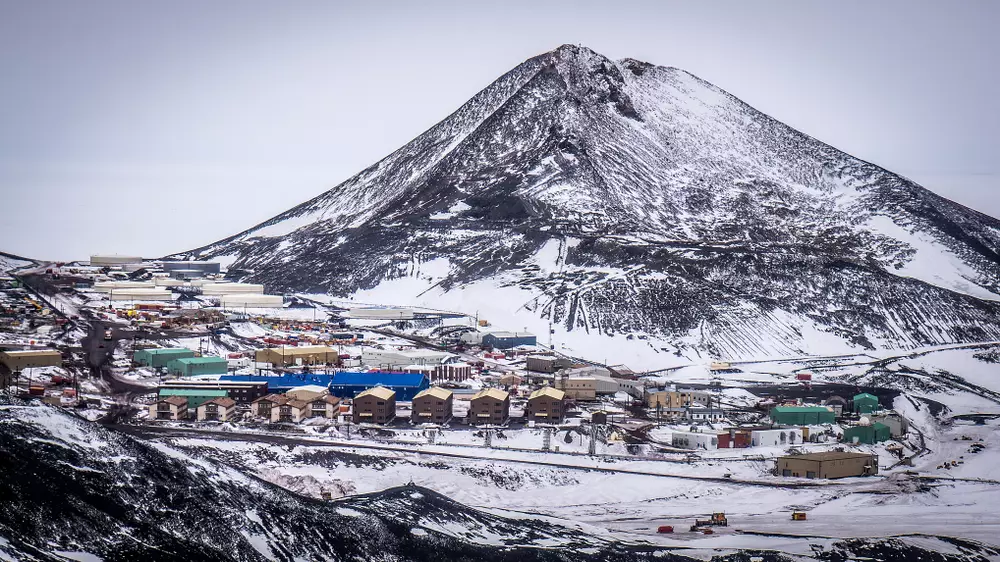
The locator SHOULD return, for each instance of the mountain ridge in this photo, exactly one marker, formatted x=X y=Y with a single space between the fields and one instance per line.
x=647 y=173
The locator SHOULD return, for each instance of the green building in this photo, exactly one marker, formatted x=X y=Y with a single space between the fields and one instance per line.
x=198 y=366
x=157 y=358
x=801 y=415
x=874 y=433
x=195 y=396
x=865 y=403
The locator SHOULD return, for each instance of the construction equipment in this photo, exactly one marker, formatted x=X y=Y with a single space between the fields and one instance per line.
x=798 y=516
x=717 y=520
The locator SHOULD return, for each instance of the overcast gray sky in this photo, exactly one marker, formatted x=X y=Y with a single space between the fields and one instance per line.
x=153 y=127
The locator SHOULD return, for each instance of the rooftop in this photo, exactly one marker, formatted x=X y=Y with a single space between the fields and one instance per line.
x=801 y=409
x=224 y=402
x=549 y=392
x=436 y=392
x=495 y=393
x=198 y=360
x=378 y=392
x=192 y=392
x=31 y=352
x=827 y=456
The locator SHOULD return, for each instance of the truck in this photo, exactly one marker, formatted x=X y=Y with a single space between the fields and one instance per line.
x=717 y=520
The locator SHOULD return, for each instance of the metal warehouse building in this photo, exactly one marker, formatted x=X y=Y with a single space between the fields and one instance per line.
x=195 y=397
x=244 y=392
x=868 y=434
x=865 y=403
x=20 y=360
x=198 y=366
x=830 y=464
x=157 y=358
x=405 y=385
x=302 y=355
x=802 y=415
x=345 y=384
x=507 y=340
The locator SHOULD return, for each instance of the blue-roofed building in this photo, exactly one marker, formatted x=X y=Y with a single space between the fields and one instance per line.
x=345 y=384
x=508 y=340
x=406 y=385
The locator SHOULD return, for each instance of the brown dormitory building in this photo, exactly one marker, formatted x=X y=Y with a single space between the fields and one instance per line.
x=433 y=405
x=375 y=405
x=489 y=407
x=546 y=404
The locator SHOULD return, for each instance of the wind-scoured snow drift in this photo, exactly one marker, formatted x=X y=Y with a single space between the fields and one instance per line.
x=619 y=198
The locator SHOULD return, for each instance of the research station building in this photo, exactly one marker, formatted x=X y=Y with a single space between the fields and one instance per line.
x=831 y=464
x=433 y=405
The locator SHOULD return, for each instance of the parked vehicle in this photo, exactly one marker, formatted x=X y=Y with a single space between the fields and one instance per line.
x=663 y=529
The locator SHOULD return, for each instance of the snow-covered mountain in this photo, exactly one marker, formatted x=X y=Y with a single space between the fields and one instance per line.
x=640 y=206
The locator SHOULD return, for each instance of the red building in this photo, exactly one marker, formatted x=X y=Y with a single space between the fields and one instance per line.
x=734 y=439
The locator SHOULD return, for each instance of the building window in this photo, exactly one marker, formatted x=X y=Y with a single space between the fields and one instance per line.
x=810 y=474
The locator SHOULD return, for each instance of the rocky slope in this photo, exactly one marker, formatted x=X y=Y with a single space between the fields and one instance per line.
x=72 y=487
x=619 y=198
x=72 y=490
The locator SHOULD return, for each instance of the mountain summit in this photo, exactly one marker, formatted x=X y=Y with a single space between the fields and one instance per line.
x=618 y=201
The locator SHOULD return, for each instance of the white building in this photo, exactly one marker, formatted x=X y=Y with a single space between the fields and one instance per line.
x=775 y=437
x=109 y=286
x=158 y=294
x=397 y=359
x=231 y=288
x=694 y=440
x=382 y=313
x=251 y=300
x=113 y=260
x=710 y=415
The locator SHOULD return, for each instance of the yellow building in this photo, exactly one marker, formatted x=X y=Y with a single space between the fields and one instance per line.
x=302 y=355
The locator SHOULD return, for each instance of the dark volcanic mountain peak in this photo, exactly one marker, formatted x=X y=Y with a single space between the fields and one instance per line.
x=623 y=198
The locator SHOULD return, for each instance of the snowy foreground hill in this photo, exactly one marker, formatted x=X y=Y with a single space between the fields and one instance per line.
x=640 y=208
x=88 y=493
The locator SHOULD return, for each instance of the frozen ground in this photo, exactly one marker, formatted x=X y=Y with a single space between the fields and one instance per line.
x=630 y=504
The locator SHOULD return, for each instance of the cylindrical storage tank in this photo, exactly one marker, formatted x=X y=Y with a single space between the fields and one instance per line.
x=168 y=282
x=251 y=300
x=231 y=288
x=102 y=261
x=109 y=286
x=141 y=295
x=188 y=266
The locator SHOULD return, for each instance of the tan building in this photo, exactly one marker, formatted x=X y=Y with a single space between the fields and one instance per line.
x=307 y=393
x=217 y=409
x=326 y=406
x=433 y=405
x=676 y=399
x=21 y=360
x=375 y=405
x=831 y=464
x=546 y=404
x=292 y=411
x=302 y=355
x=263 y=406
x=169 y=408
x=583 y=389
x=490 y=406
